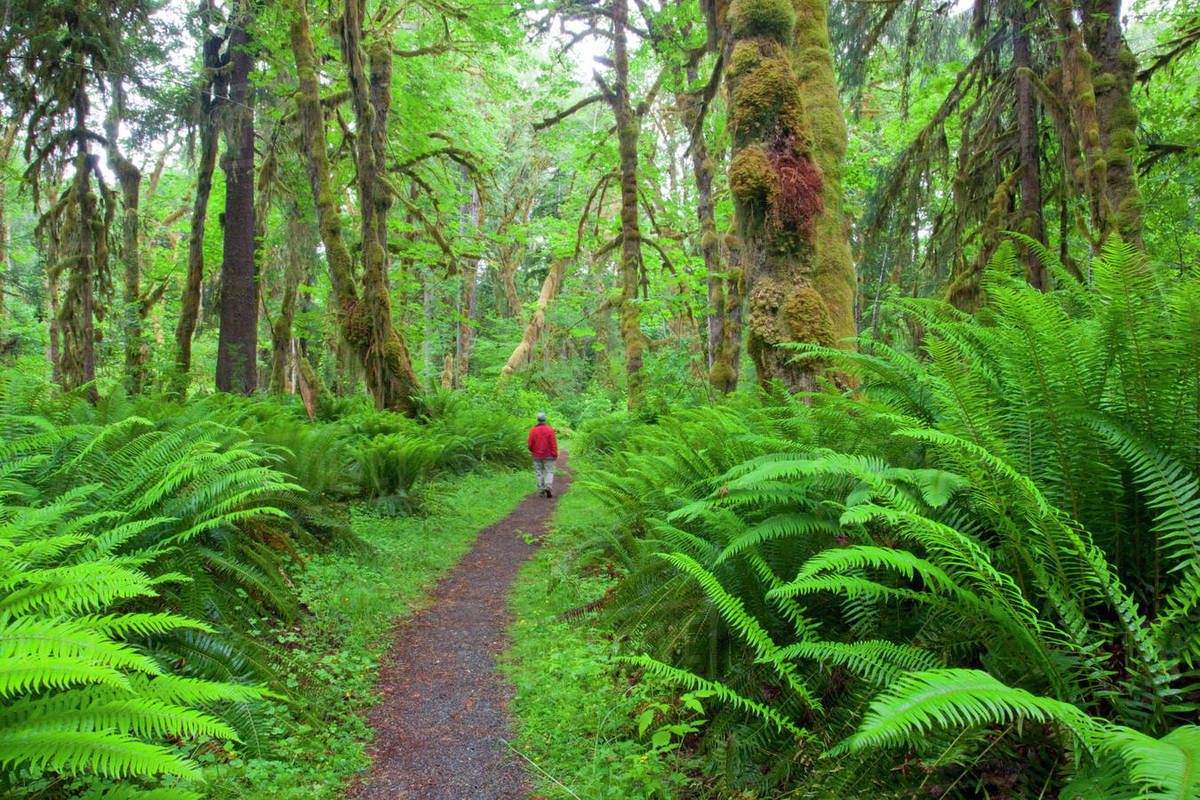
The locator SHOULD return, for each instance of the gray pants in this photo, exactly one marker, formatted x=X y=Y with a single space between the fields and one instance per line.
x=543 y=468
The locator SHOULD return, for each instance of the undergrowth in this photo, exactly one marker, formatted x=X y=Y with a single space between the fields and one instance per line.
x=333 y=652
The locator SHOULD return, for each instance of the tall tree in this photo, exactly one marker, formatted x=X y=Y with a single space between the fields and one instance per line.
x=797 y=279
x=470 y=217
x=8 y=137
x=628 y=121
x=365 y=323
x=237 y=345
x=129 y=180
x=214 y=86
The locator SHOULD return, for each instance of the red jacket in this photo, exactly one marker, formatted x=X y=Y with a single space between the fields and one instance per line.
x=542 y=443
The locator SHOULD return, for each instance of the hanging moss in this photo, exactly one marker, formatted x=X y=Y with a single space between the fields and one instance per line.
x=769 y=19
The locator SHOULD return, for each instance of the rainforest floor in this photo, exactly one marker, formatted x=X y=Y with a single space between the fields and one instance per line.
x=441 y=722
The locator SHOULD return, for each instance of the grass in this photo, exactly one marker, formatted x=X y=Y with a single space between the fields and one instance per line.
x=587 y=730
x=351 y=600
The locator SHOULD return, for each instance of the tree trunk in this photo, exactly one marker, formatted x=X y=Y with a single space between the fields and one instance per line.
x=189 y=311
x=522 y=355
x=710 y=248
x=76 y=313
x=1032 y=223
x=366 y=324
x=129 y=178
x=787 y=132
x=469 y=222
x=727 y=357
x=237 y=343
x=1114 y=70
x=297 y=247
x=631 y=238
x=812 y=58
x=1086 y=166
x=6 y=143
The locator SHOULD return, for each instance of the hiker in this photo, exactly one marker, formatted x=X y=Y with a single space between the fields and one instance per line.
x=544 y=449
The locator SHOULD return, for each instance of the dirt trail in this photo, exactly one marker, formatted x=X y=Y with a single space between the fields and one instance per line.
x=442 y=709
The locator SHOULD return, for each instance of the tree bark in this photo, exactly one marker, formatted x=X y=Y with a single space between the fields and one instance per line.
x=6 y=144
x=721 y=373
x=1032 y=223
x=76 y=313
x=129 y=178
x=1114 y=70
x=727 y=357
x=470 y=219
x=189 y=311
x=237 y=343
x=366 y=324
x=631 y=269
x=785 y=175
x=812 y=58
x=522 y=355
x=298 y=245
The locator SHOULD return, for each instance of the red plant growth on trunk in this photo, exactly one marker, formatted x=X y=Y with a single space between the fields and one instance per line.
x=798 y=202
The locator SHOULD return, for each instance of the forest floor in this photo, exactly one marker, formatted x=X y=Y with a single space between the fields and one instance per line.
x=441 y=721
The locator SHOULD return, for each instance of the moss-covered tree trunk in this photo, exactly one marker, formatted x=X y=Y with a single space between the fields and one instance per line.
x=1114 y=70
x=469 y=222
x=727 y=357
x=522 y=355
x=1100 y=135
x=237 y=342
x=785 y=176
x=189 y=304
x=86 y=247
x=296 y=248
x=366 y=323
x=129 y=179
x=721 y=373
x=628 y=125
x=1028 y=149
x=7 y=139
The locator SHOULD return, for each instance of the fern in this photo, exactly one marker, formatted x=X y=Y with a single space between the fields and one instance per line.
x=876 y=661
x=733 y=611
x=922 y=701
x=694 y=683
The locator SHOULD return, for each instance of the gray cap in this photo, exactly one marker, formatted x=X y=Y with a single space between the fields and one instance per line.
x=541 y=416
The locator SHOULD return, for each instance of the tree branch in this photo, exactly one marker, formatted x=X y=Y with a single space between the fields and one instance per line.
x=560 y=116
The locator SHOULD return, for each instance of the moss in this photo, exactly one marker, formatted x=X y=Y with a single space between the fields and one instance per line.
x=767 y=104
x=1103 y=82
x=763 y=318
x=769 y=19
x=357 y=328
x=751 y=179
x=721 y=375
x=745 y=58
x=806 y=317
x=708 y=240
x=731 y=241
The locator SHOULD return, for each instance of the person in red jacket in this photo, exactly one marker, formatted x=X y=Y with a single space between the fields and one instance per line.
x=544 y=449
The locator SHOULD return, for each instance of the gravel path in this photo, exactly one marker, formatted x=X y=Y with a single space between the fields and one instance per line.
x=442 y=710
